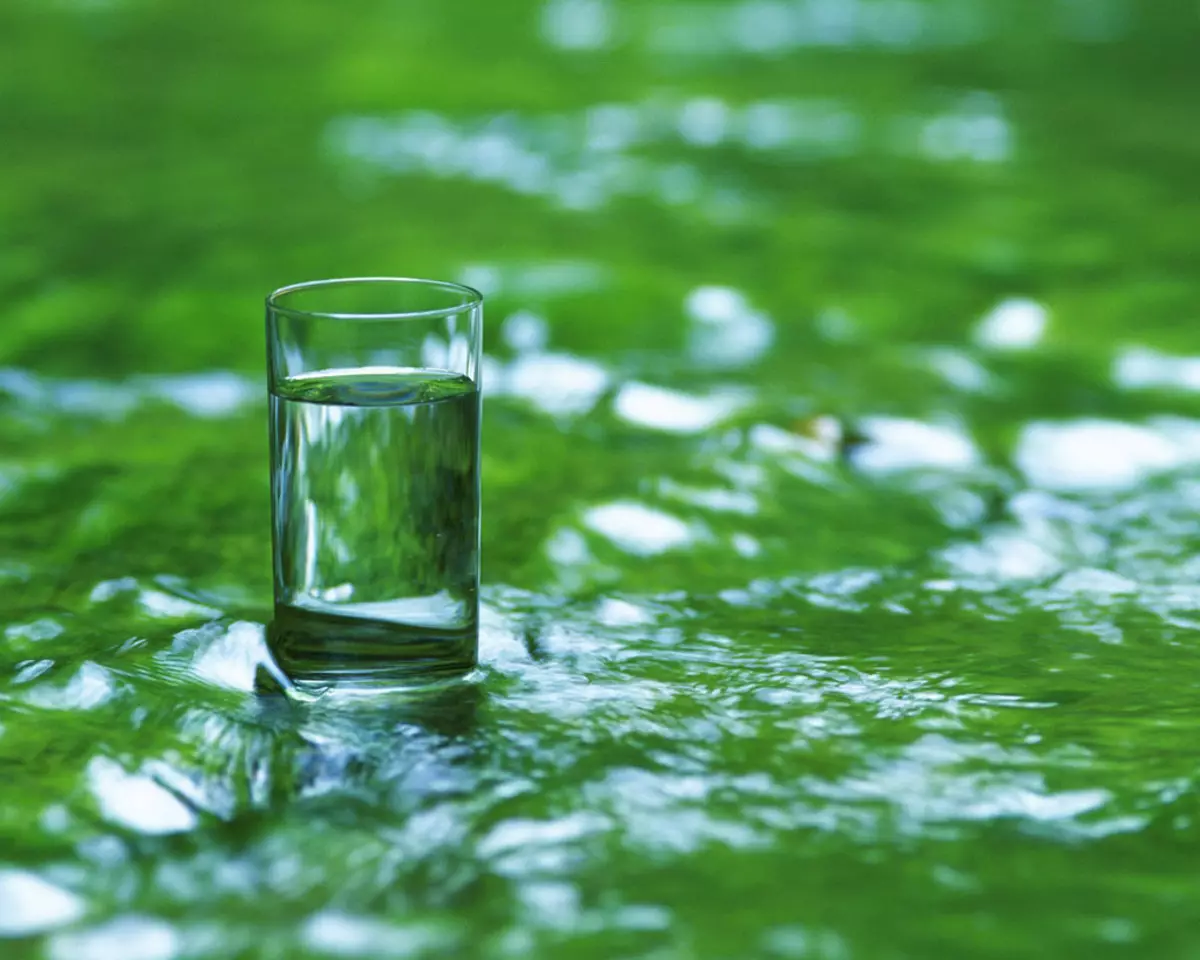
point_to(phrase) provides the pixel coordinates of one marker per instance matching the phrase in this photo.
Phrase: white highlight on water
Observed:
(658, 408)
(1015, 324)
(30, 905)
(638, 529)
(135, 801)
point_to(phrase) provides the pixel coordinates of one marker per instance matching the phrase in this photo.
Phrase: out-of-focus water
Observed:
(841, 478)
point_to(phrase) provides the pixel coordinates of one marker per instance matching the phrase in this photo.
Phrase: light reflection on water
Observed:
(771, 29)
(217, 394)
(763, 28)
(584, 161)
(32, 904)
(132, 937)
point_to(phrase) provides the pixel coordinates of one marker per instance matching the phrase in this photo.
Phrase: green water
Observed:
(840, 511)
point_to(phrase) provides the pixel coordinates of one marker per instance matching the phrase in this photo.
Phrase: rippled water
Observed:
(841, 479)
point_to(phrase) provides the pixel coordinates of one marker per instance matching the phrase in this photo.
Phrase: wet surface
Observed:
(841, 482)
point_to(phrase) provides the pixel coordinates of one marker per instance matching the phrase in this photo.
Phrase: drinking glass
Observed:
(374, 422)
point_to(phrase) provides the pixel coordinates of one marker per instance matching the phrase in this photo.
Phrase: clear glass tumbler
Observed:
(375, 412)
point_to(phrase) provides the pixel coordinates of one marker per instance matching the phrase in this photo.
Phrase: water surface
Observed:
(841, 478)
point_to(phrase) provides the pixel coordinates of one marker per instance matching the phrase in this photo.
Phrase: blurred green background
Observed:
(839, 476)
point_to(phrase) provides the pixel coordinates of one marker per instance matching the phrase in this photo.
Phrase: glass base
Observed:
(322, 653)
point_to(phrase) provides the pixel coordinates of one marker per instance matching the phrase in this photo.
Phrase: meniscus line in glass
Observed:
(374, 423)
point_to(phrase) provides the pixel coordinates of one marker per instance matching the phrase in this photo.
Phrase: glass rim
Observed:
(471, 298)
